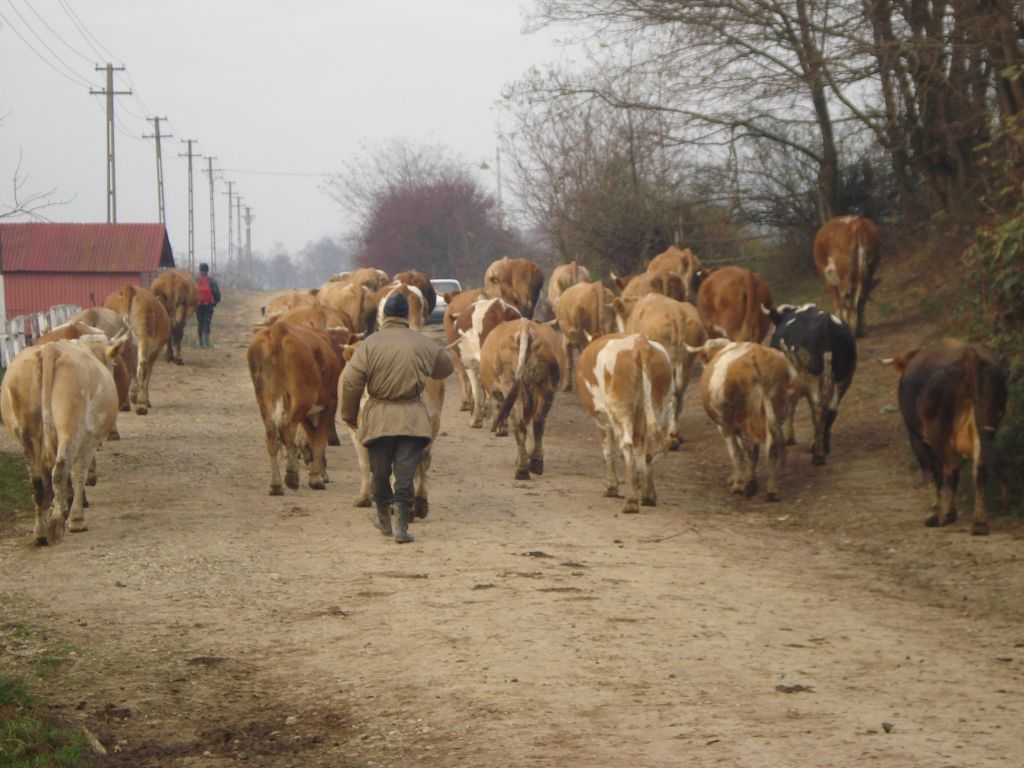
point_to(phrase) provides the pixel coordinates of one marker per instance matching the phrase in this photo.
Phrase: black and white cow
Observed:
(822, 349)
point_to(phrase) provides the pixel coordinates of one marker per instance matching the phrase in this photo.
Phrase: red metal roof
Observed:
(45, 247)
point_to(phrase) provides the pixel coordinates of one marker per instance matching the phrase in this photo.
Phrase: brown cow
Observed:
(952, 397)
(584, 313)
(317, 316)
(521, 364)
(152, 327)
(59, 402)
(749, 391)
(624, 381)
(732, 302)
(372, 278)
(282, 302)
(178, 293)
(674, 325)
(846, 253)
(472, 327)
(114, 326)
(655, 281)
(421, 281)
(681, 261)
(295, 374)
(563, 277)
(517, 281)
(455, 304)
(355, 300)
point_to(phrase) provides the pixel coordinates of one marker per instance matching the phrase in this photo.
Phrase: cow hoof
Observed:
(950, 518)
(78, 526)
(91, 480)
(771, 496)
(649, 501)
(611, 493)
(126, 407)
(537, 466)
(630, 507)
(751, 489)
(292, 480)
(179, 361)
(818, 460)
(979, 529)
(476, 425)
(141, 410)
(362, 503)
(41, 541)
(467, 407)
(317, 485)
(674, 442)
(276, 490)
(114, 435)
(501, 432)
(932, 521)
(333, 440)
(738, 490)
(522, 474)
(420, 507)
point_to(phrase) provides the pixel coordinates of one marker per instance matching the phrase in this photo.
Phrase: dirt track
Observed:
(530, 624)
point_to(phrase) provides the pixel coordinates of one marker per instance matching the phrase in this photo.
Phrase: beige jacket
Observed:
(392, 366)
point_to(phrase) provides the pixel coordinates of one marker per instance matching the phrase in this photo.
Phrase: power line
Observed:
(56, 34)
(75, 78)
(86, 34)
(278, 173)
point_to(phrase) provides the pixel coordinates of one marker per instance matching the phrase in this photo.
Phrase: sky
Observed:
(280, 93)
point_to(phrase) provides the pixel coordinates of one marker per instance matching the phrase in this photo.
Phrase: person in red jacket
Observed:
(209, 297)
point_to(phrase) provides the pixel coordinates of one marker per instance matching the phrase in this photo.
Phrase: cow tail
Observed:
(47, 365)
(827, 389)
(986, 434)
(525, 342)
(643, 363)
(747, 329)
(759, 407)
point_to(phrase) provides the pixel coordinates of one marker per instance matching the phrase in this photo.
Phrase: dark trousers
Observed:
(400, 455)
(204, 315)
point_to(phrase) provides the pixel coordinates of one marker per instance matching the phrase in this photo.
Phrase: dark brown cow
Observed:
(681, 261)
(517, 281)
(846, 253)
(584, 313)
(455, 304)
(421, 281)
(521, 364)
(151, 326)
(732, 302)
(295, 374)
(952, 397)
(178, 293)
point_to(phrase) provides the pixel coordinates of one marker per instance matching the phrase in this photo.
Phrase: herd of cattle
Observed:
(628, 353)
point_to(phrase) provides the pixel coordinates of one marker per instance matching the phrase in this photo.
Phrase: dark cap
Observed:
(396, 306)
(204, 267)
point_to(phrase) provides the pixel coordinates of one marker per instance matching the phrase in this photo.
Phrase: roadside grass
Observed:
(15, 493)
(30, 739)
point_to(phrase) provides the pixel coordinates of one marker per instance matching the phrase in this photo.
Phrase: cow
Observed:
(455, 304)
(730, 301)
(674, 325)
(846, 253)
(822, 349)
(114, 326)
(418, 312)
(683, 262)
(624, 381)
(521, 365)
(660, 281)
(151, 325)
(421, 281)
(177, 291)
(516, 281)
(584, 313)
(472, 326)
(433, 400)
(282, 302)
(355, 300)
(317, 316)
(372, 278)
(952, 397)
(294, 373)
(59, 402)
(76, 329)
(748, 391)
(563, 277)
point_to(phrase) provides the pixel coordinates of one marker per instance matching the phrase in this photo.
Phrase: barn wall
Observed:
(26, 292)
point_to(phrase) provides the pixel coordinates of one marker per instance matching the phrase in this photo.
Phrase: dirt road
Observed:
(531, 624)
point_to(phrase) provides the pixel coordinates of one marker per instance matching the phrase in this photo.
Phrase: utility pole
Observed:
(248, 247)
(230, 193)
(110, 93)
(213, 220)
(239, 271)
(160, 168)
(191, 219)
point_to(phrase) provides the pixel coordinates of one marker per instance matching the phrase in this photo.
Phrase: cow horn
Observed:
(765, 310)
(552, 323)
(887, 360)
(693, 350)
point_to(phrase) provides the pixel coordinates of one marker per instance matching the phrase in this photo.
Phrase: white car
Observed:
(442, 285)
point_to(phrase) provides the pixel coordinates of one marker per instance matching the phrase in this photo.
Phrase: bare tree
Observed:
(27, 204)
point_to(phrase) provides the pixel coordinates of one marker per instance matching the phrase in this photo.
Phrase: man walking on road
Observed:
(392, 366)
(209, 297)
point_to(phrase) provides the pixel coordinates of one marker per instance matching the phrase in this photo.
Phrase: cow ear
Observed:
(115, 347)
(899, 363)
(314, 291)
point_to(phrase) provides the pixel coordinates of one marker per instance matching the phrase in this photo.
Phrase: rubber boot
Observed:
(382, 520)
(404, 515)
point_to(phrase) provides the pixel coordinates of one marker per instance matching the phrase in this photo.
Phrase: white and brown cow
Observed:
(521, 364)
(624, 381)
(683, 262)
(584, 313)
(178, 293)
(846, 253)
(517, 281)
(472, 326)
(59, 402)
(562, 277)
(151, 326)
(418, 312)
(731, 303)
(295, 373)
(416, 278)
(455, 304)
(748, 391)
(676, 326)
(952, 397)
